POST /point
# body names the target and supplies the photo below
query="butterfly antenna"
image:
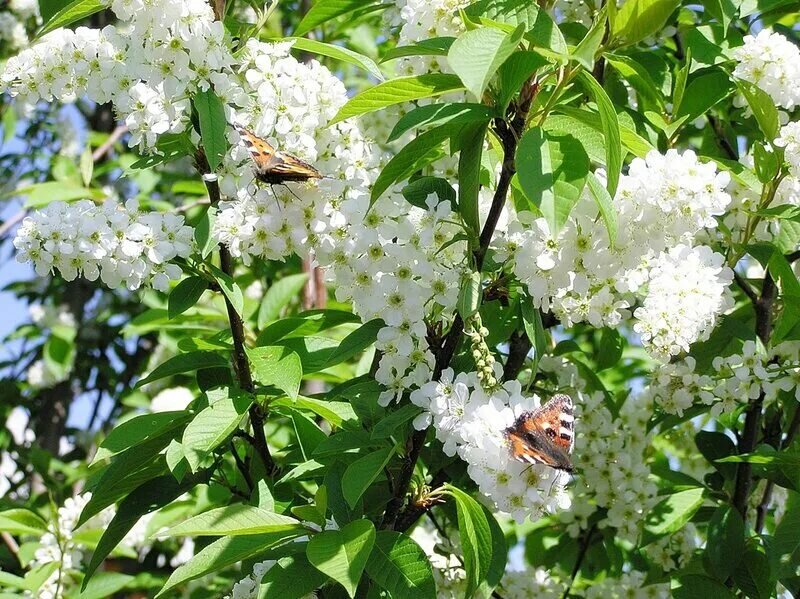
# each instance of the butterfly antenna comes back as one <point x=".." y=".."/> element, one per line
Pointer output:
<point x="292" y="192"/>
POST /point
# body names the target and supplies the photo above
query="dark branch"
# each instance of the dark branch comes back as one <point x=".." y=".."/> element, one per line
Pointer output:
<point x="241" y="365"/>
<point x="746" y="287"/>
<point x="509" y="134"/>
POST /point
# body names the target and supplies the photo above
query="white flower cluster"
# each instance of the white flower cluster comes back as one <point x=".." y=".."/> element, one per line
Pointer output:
<point x="148" y="65"/>
<point x="630" y="585"/>
<point x="15" y="19"/>
<point x="471" y="422"/>
<point x="57" y="546"/>
<point x="574" y="11"/>
<point x="119" y="245"/>
<point x="529" y="582"/>
<point x="248" y="587"/>
<point x="736" y="379"/>
<point x="663" y="201"/>
<point x="425" y="19"/>
<point x="771" y="62"/>
<point x="614" y="473"/>
<point x="789" y="140"/>
<point x="687" y="290"/>
<point x="17" y="425"/>
<point x="673" y="551"/>
<point x="386" y="259"/>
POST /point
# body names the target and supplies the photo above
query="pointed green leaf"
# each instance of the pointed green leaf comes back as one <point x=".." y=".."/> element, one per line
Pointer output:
<point x="343" y="554"/>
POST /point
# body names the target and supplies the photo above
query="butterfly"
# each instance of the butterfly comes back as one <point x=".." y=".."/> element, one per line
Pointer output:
<point x="545" y="435"/>
<point x="274" y="167"/>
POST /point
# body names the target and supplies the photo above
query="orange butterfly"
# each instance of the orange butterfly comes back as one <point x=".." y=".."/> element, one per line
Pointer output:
<point x="274" y="167"/>
<point x="545" y="435"/>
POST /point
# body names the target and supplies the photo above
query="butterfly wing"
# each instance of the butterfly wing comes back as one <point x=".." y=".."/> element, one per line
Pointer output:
<point x="545" y="435"/>
<point x="274" y="167"/>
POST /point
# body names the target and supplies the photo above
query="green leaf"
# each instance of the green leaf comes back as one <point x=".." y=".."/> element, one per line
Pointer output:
<point x="185" y="295"/>
<point x="137" y="430"/>
<point x="476" y="538"/>
<point x="361" y="473"/>
<point x="325" y="10"/>
<point x="222" y="553"/>
<point x="307" y="323"/>
<point x="412" y="157"/>
<point x="355" y="342"/>
<point x="214" y="424"/>
<point x="398" y="91"/>
<point x="145" y="499"/>
<point x="436" y="46"/>
<point x="611" y="133"/>
<point x="540" y="29"/>
<point x="703" y="93"/>
<point x="638" y="77"/>
<point x="672" y="513"/>
<point x="586" y="50"/>
<point x="418" y="190"/>
<point x="401" y="567"/>
<point x="696" y="586"/>
<point x="753" y="574"/>
<point x="440" y="114"/>
<point x="336" y="52"/>
<point x="277" y="366"/>
<point x="87" y="167"/>
<point x="278" y="296"/>
<point x="723" y="11"/>
<point x="182" y="363"/>
<point x="638" y="19"/>
<point x="338" y="413"/>
<point x="469" y="172"/>
<point x="42" y="194"/>
<point x="469" y="295"/>
<point x="786" y="540"/>
<point x="72" y="12"/>
<point x="515" y="71"/>
<point x="105" y="584"/>
<point x="476" y="55"/>
<point x="234" y="520"/>
<point x="309" y="435"/>
<point x="714" y="445"/>
<point x="230" y="289"/>
<point x="532" y="321"/>
<point x="389" y="425"/>
<point x="552" y="171"/>
<point x="763" y="108"/>
<point x="343" y="554"/>
<point x="202" y="232"/>
<point x="632" y="141"/>
<point x="610" y="350"/>
<point x="606" y="206"/>
<point x="128" y="471"/>
<point x="20" y="521"/>
<point x="211" y="113"/>
<point x="726" y="542"/>
<point x="291" y="578"/>
<point x="499" y="557"/>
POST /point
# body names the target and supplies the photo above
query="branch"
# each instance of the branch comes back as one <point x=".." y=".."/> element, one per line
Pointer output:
<point x="746" y="287"/>
<point x="722" y="141"/>
<point x="744" y="474"/>
<point x="509" y="135"/>
<point x="766" y="499"/>
<point x="582" y="550"/>
<point x="113" y="138"/>
<point x="518" y="347"/>
<point x="241" y="365"/>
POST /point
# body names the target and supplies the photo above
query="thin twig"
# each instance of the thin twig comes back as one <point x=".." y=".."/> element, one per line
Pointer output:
<point x="241" y="364"/>
<point x="766" y="499"/>
<point x="106" y="146"/>
<point x="744" y="475"/>
<point x="12" y="222"/>
<point x="11" y="543"/>
<point x="582" y="550"/>
<point x="745" y="286"/>
<point x="509" y="134"/>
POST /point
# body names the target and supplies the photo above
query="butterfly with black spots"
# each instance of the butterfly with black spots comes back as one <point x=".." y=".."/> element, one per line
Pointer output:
<point x="274" y="167"/>
<point x="545" y="435"/>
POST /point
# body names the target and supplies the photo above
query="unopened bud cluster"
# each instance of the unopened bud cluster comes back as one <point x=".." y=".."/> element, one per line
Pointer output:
<point x="484" y="360"/>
